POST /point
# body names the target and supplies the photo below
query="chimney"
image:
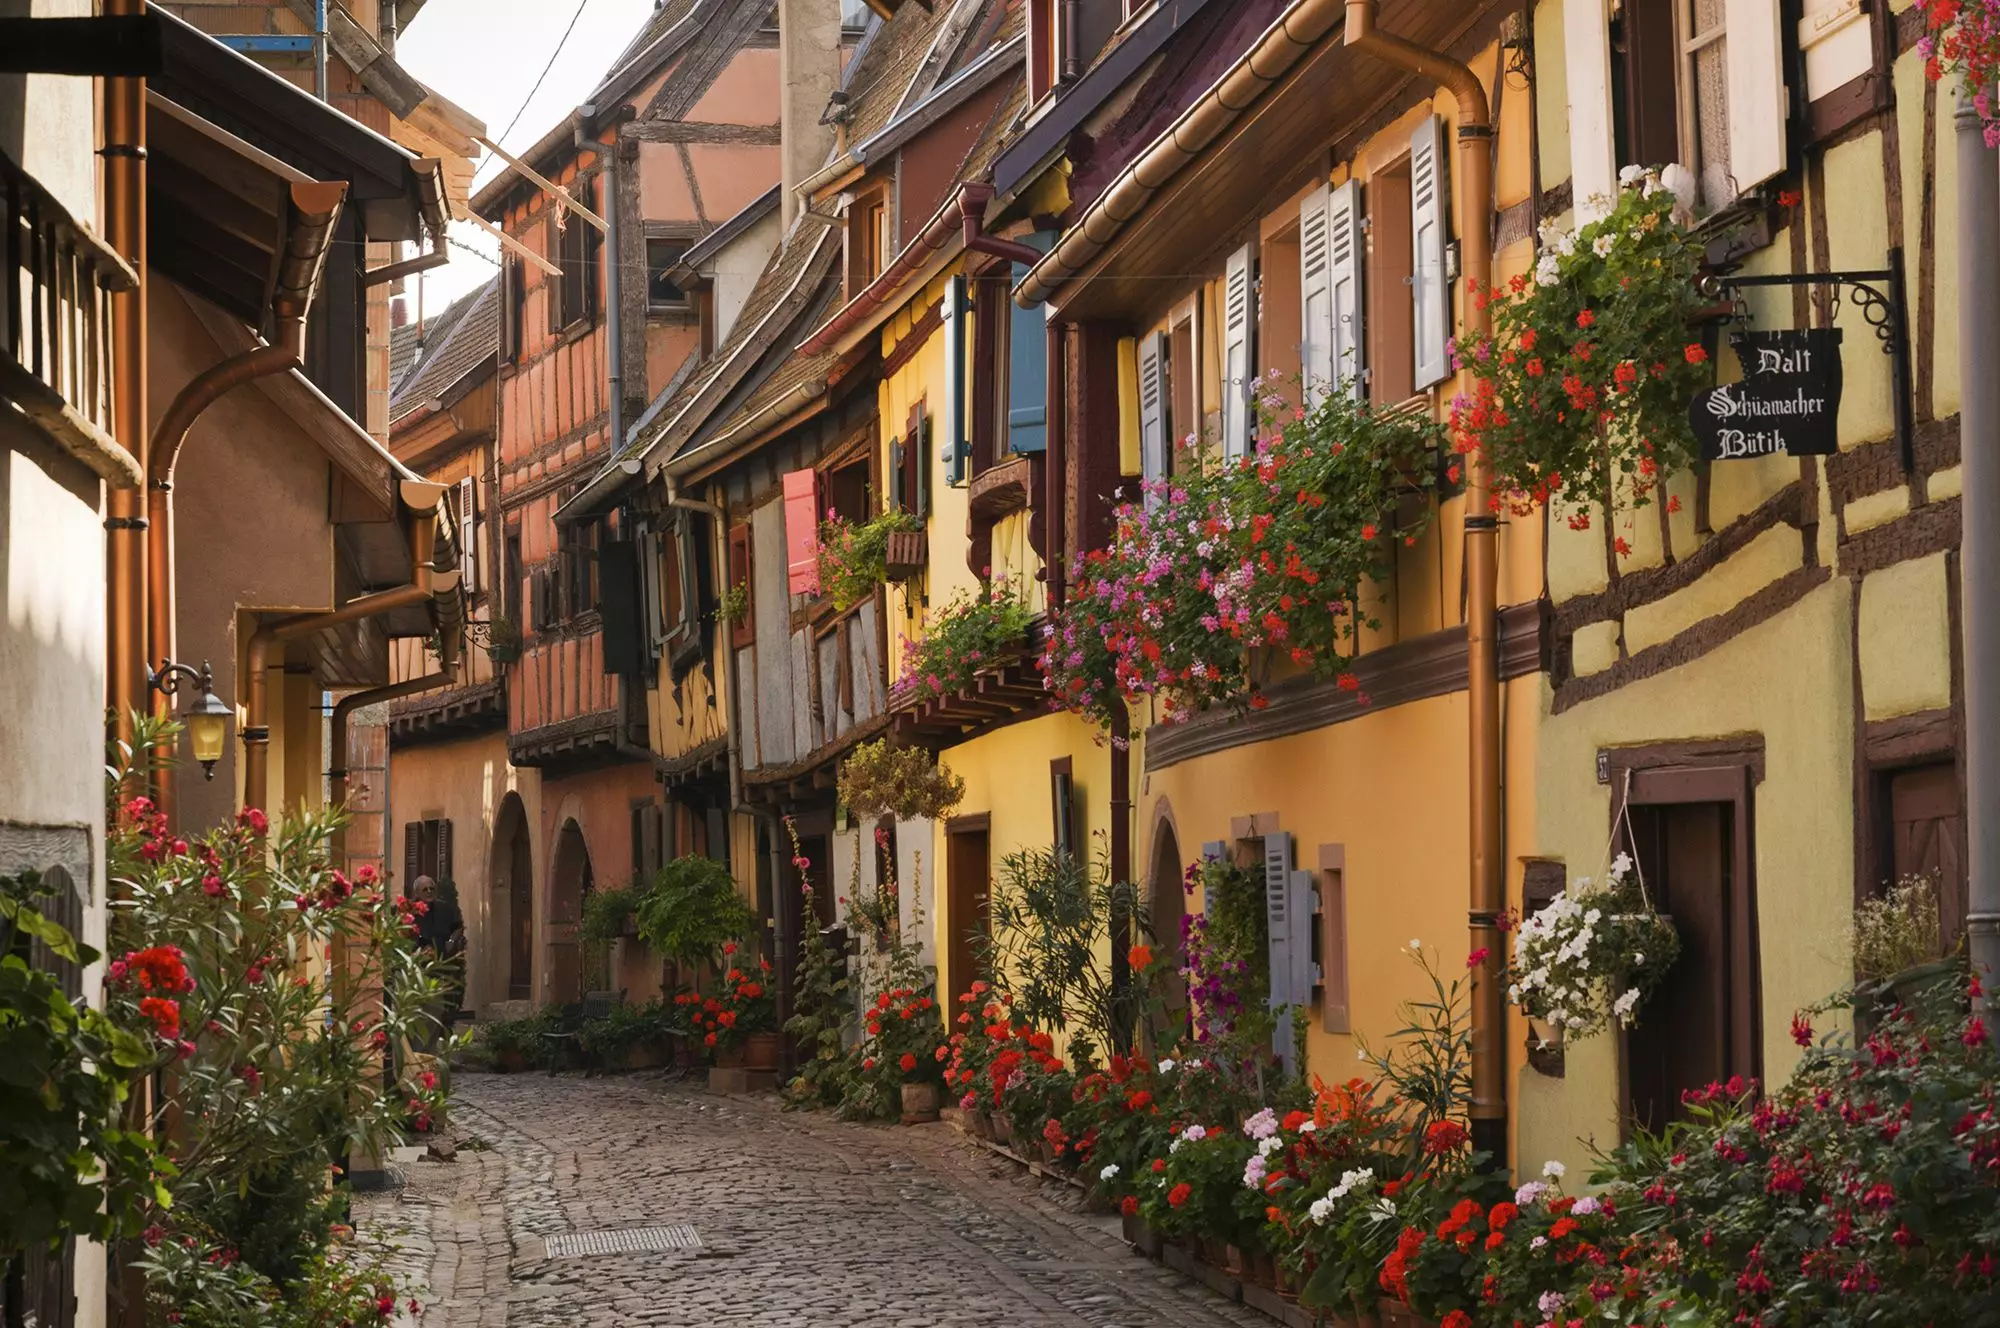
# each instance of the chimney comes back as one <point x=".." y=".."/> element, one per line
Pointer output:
<point x="809" y="68"/>
<point x="399" y="312"/>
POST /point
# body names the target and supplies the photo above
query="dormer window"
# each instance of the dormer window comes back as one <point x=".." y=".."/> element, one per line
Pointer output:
<point x="871" y="239"/>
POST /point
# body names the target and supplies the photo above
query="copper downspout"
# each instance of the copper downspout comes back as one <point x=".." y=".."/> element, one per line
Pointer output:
<point x="124" y="153"/>
<point x="1474" y="191"/>
<point x="344" y="709"/>
<point x="256" y="685"/>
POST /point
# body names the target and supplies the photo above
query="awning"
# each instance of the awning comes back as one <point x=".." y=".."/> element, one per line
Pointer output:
<point x="1253" y="139"/>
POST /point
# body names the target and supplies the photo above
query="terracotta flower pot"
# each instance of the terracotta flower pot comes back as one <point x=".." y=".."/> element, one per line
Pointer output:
<point x="977" y="1123"/>
<point x="511" y="1061"/>
<point x="729" y="1058"/>
<point x="1003" y="1129"/>
<point x="920" y="1103"/>
<point x="1234" y="1261"/>
<point x="760" y="1051"/>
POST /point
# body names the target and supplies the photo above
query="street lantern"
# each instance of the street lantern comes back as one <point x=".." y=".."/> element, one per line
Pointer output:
<point x="207" y="719"/>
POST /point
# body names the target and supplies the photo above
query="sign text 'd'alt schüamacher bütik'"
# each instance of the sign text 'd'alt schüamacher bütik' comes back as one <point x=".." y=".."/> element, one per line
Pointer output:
<point x="1787" y="402"/>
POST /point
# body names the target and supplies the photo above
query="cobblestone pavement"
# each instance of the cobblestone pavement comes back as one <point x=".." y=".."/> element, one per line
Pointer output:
<point x="803" y="1220"/>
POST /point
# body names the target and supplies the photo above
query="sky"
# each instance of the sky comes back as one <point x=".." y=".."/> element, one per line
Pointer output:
<point x="485" y="55"/>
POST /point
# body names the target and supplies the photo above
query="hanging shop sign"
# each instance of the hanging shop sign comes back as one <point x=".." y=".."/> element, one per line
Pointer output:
<point x="1788" y="401"/>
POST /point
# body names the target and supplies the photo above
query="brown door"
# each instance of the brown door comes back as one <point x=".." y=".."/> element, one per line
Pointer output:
<point x="1926" y="832"/>
<point x="968" y="882"/>
<point x="520" y="916"/>
<point x="1699" y="1025"/>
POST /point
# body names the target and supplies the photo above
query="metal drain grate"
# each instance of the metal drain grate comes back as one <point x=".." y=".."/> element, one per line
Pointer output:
<point x="623" y="1240"/>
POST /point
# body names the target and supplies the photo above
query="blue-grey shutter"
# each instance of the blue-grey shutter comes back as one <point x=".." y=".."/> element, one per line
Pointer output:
<point x="1430" y="322"/>
<point x="955" y="447"/>
<point x="1345" y="287"/>
<point x="920" y="438"/>
<point x="1216" y="849"/>
<point x="1280" y="914"/>
<point x="898" y="497"/>
<point x="1153" y="356"/>
<point x="1239" y="368"/>
<point x="1027" y="365"/>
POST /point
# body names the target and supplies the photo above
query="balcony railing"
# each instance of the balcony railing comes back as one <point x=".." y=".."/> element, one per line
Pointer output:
<point x="56" y="360"/>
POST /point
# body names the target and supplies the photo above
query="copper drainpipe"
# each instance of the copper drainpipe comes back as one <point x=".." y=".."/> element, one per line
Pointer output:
<point x="124" y="153"/>
<point x="1474" y="191"/>
<point x="424" y="584"/>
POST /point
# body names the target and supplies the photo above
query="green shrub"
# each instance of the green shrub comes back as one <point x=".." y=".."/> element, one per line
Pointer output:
<point x="1897" y="930"/>
<point x="691" y="909"/>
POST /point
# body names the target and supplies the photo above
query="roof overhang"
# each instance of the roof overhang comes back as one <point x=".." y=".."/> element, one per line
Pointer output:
<point x="398" y="195"/>
<point x="1260" y="132"/>
<point x="938" y="242"/>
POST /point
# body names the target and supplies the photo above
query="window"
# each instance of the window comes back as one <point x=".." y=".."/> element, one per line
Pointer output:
<point x="1699" y="82"/>
<point x="1392" y="369"/>
<point x="743" y="629"/>
<point x="910" y="464"/>
<point x="1689" y="833"/>
<point x="1331" y="249"/>
<point x="426" y="852"/>
<point x="1925" y="823"/>
<point x="651" y="848"/>
<point x="515" y="296"/>
<point x="661" y="291"/>
<point x="1062" y="799"/>
<point x="853" y="15"/>
<point x="511" y="577"/>
<point x="576" y="243"/>
<point x="870" y="239"/>
<point x="845" y="492"/>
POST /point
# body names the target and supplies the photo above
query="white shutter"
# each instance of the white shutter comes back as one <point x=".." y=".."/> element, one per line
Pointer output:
<point x="468" y="535"/>
<point x="1837" y="40"/>
<point x="1754" y="47"/>
<point x="649" y="589"/>
<point x="952" y="435"/>
<point x="1430" y="292"/>
<point x="1593" y="153"/>
<point x="1316" y="331"/>
<point x="1344" y="216"/>
<point x="1236" y="365"/>
<point x="1153" y="407"/>
<point x="1278" y="912"/>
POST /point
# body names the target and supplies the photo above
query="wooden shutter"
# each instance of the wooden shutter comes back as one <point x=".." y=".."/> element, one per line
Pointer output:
<point x="413" y="852"/>
<point x="952" y="440"/>
<point x="1237" y="366"/>
<point x="443" y="872"/>
<point x="1316" y="362"/>
<point x="1278" y="912"/>
<point x="1153" y="442"/>
<point x="1754" y="47"/>
<point x="1593" y="152"/>
<point x="1345" y="250"/>
<point x="899" y="475"/>
<point x="468" y="535"/>
<point x="618" y="575"/>
<point x="1333" y="939"/>
<point x="801" y="532"/>
<point x="1430" y="291"/>
<point x="652" y="588"/>
<point x="1027" y="377"/>
<point x="918" y="441"/>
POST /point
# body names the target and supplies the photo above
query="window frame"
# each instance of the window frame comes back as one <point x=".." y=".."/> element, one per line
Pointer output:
<point x="655" y="272"/>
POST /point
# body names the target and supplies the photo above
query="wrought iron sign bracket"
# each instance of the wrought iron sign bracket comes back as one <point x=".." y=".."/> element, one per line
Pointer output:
<point x="1882" y="298"/>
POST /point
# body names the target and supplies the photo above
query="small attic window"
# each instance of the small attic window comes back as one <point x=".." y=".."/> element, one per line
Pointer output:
<point x="661" y="290"/>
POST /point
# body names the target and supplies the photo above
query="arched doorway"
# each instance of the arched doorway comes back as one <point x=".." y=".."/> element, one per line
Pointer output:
<point x="1166" y="906"/>
<point x="511" y="934"/>
<point x="569" y="880"/>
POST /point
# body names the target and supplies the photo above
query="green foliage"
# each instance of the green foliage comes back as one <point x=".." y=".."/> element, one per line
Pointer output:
<point x="1228" y="947"/>
<point x="607" y="1043"/>
<point x="966" y="636"/>
<point x="1056" y="920"/>
<point x="605" y="913"/>
<point x="1580" y="397"/>
<point x="691" y="909"/>
<point x="1283" y="548"/>
<point x="525" y="1037"/>
<point x="821" y="1011"/>
<point x="905" y="782"/>
<point x="733" y="606"/>
<point x="1897" y="930"/>
<point x="67" y="1165"/>
<point x="853" y="555"/>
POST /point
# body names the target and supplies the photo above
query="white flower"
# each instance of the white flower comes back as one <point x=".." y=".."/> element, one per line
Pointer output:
<point x="1592" y="916"/>
<point x="1622" y="1007"/>
<point x="1538" y="1242"/>
<point x="1194" y="1065"/>
<point x="1266" y="1147"/>
<point x="1566" y="243"/>
<point x="1552" y="1169"/>
<point x="1361" y="1053"/>
<point x="1685" y="188"/>
<point x="1386" y="1207"/>
<point x="1108" y="1172"/>
<point x="1547" y="270"/>
<point x="1638" y="961"/>
<point x="1416" y="944"/>
<point x="1513" y="993"/>
<point x="1310" y="1127"/>
<point x="1166" y="1067"/>
<point x="1621" y="864"/>
<point x="1630" y="175"/>
<point x="1350" y="1181"/>
<point x="1321" y="1210"/>
<point x="1601" y="246"/>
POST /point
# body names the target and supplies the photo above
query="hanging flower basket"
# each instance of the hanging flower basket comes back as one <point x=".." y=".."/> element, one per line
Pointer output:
<point x="906" y="554"/>
<point x="1961" y="44"/>
<point x="1592" y="956"/>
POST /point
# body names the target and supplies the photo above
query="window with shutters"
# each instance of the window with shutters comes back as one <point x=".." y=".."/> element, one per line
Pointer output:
<point x="1391" y="321"/>
<point x="576" y="244"/>
<point x="1155" y="422"/>
<point x="953" y="442"/>
<point x="673" y="594"/>
<point x="844" y="491"/>
<point x="427" y="851"/>
<point x="1183" y="389"/>
<point x="1332" y="245"/>
<point x="1697" y="82"/>
<point x="743" y="587"/>
<point x="1280" y="313"/>
<point x="468" y="537"/>
<point x="870" y="239"/>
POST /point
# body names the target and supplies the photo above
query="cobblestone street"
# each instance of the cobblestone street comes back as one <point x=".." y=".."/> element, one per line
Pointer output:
<point x="801" y="1220"/>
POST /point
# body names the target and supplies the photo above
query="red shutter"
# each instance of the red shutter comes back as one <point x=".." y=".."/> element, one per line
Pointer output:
<point x="801" y="532"/>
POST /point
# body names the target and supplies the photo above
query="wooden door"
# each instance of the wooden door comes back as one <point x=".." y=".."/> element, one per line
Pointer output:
<point x="520" y="916"/>
<point x="1927" y="832"/>
<point x="968" y="885"/>
<point x="1692" y="1031"/>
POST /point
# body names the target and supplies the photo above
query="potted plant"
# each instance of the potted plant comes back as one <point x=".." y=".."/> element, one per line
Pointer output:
<point x="503" y="639"/>
<point x="1899" y="952"/>
<point x="853" y="555"/>
<point x="691" y="909"/>
<point x="515" y="1044"/>
<point x="963" y="639"/>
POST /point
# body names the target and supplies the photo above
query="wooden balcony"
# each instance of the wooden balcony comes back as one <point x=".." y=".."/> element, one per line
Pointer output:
<point x="56" y="362"/>
<point x="1005" y="694"/>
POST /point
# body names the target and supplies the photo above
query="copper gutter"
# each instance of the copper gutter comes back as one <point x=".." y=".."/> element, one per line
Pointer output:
<point x="344" y="709"/>
<point x="961" y="216"/>
<point x="425" y="583"/>
<point x="1282" y="46"/>
<point x="298" y="275"/>
<point x="1473" y="190"/>
<point x="124" y="153"/>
